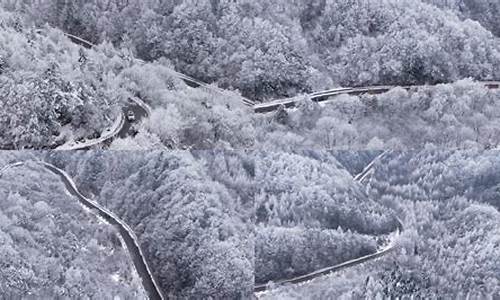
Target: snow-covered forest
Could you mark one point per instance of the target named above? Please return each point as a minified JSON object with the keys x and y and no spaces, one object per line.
{"x":276,"y":49}
{"x":243,"y":149}
{"x":461,"y":115}
{"x":450,"y":245}
{"x":56,"y":92}
{"x":192,"y":213}
{"x":217,"y":223}
{"x":51,"y":247}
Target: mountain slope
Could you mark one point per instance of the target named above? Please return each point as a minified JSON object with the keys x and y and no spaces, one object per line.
{"x":192,"y":213}
{"x":51,"y":247}
{"x":450,"y":245}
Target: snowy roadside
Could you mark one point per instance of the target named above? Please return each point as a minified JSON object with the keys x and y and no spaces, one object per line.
{"x":108,"y":134}
{"x":142,"y":104}
{"x":262,"y":291}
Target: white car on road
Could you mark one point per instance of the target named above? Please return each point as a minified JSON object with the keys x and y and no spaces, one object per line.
{"x":130,"y":116}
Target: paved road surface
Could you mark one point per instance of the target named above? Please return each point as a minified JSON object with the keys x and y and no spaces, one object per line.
{"x":329,"y":270}
{"x":140,"y":114}
{"x":356,"y":91}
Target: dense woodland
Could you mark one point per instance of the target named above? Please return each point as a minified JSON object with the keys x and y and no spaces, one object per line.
{"x":46,"y":91}
{"x":314,"y":190}
{"x":450,"y":244}
{"x":460,"y":115}
{"x":483,"y":11}
{"x":71,"y":93}
{"x":276,"y":49}
{"x":311,"y":214}
{"x":192,"y":212}
{"x":51,"y":248}
{"x":260,"y":50}
{"x":212,"y":223}
{"x":195,"y":214}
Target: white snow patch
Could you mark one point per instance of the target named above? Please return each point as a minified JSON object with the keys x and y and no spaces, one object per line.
{"x":116,"y":277}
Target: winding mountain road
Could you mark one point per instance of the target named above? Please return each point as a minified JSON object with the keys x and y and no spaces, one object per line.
{"x":121,"y":126}
{"x":270,"y":106}
{"x":329,"y":270}
{"x":141,"y":110}
{"x":131,"y":241}
{"x":258,"y":289}
{"x":190,"y":81}
{"x":329,"y":94}
{"x":261,"y":108}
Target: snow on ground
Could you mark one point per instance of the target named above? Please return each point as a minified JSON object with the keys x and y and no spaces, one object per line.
{"x":116,"y":277}
{"x":106,"y":135}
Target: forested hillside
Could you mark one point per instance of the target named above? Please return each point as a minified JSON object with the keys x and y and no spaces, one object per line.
{"x":450,"y":244}
{"x":213,"y":223}
{"x":54,"y":92}
{"x":460,"y":115}
{"x":47,"y":91}
{"x":470,"y":174}
{"x":314,"y":182}
{"x":192,"y":213}
{"x":483,"y":11}
{"x":265,"y":52}
{"x":52,"y":248}
{"x":269,"y":50}
{"x":311,"y":214}
{"x":227,"y":135}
